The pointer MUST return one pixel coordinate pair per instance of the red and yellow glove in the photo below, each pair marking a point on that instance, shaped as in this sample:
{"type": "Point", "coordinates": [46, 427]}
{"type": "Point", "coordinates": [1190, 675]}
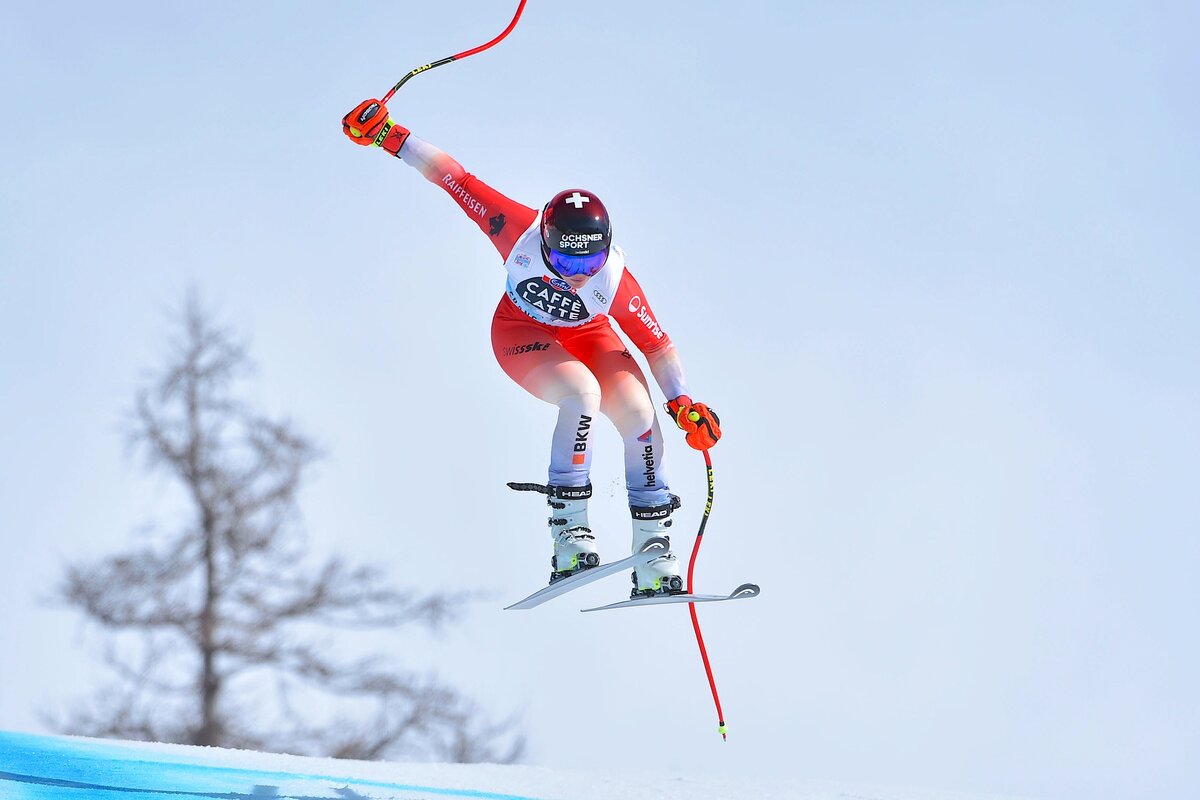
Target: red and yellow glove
{"type": "Point", "coordinates": [698, 421]}
{"type": "Point", "coordinates": [368, 124]}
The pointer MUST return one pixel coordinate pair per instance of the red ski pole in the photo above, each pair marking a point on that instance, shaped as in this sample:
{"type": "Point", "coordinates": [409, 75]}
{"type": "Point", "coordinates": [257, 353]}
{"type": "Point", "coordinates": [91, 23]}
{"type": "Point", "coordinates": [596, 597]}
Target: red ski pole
{"type": "Point", "coordinates": [457, 56]}
{"type": "Point", "coordinates": [712, 684]}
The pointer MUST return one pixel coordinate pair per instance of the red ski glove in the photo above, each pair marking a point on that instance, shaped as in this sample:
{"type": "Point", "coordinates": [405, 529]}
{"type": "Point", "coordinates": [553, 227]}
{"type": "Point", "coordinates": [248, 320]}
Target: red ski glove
{"type": "Point", "coordinates": [368, 124]}
{"type": "Point", "coordinates": [698, 421]}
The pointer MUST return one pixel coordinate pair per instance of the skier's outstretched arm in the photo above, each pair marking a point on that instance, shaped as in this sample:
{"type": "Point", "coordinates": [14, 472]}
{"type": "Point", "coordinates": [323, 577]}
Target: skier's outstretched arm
{"type": "Point", "coordinates": [502, 219]}
{"type": "Point", "coordinates": [632, 312]}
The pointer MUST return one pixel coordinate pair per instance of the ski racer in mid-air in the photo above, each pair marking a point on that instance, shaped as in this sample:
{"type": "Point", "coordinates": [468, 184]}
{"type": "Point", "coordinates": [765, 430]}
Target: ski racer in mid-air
{"type": "Point", "coordinates": [551, 335]}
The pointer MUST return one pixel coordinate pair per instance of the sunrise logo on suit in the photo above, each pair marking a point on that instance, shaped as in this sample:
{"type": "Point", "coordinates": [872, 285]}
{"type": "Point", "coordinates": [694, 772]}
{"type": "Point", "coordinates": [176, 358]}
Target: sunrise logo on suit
{"type": "Point", "coordinates": [638, 308]}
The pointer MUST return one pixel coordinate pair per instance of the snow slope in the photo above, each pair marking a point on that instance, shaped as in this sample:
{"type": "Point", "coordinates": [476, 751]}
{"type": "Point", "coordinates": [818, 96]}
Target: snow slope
{"type": "Point", "coordinates": [63, 768]}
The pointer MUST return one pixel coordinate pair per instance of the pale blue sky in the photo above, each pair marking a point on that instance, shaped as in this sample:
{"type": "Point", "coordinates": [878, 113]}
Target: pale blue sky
{"type": "Point", "coordinates": [933, 263]}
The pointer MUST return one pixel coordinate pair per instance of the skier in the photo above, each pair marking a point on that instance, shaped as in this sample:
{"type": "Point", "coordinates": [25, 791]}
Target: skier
{"type": "Point", "coordinates": [551, 335]}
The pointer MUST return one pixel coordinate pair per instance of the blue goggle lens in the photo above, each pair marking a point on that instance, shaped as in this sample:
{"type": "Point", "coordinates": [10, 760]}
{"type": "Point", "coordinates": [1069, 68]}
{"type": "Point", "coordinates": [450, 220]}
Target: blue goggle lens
{"type": "Point", "coordinates": [568, 264]}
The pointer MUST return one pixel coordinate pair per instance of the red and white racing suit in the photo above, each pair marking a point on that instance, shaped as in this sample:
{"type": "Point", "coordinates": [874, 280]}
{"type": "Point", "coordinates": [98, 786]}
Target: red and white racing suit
{"type": "Point", "coordinates": [556, 341]}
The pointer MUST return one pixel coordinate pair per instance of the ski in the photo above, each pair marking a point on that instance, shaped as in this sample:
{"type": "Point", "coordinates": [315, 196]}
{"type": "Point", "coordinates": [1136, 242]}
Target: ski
{"type": "Point", "coordinates": [652, 549]}
{"type": "Point", "coordinates": [745, 591]}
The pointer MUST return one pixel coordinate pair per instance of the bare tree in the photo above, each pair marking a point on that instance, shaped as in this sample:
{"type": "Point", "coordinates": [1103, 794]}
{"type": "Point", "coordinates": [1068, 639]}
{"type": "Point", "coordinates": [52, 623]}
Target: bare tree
{"type": "Point", "coordinates": [217, 625]}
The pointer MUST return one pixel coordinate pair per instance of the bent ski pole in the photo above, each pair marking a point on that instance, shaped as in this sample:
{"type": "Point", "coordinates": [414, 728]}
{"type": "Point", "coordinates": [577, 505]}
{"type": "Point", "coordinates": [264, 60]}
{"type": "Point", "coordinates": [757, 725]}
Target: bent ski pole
{"type": "Point", "coordinates": [463, 54]}
{"type": "Point", "coordinates": [712, 684]}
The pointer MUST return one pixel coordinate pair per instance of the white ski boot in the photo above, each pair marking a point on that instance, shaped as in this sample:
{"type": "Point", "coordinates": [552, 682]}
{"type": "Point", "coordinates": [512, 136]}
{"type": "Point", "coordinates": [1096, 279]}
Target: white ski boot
{"type": "Point", "coordinates": [660, 576]}
{"type": "Point", "coordinates": [574, 544]}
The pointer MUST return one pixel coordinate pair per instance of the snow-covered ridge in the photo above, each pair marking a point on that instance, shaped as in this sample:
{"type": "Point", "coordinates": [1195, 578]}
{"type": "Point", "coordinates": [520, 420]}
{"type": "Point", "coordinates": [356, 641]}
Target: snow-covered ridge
{"type": "Point", "coordinates": [67, 768]}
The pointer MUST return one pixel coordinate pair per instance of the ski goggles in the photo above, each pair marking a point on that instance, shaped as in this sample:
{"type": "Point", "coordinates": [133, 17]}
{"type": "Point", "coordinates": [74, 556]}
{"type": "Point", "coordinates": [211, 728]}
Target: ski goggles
{"type": "Point", "coordinates": [569, 264]}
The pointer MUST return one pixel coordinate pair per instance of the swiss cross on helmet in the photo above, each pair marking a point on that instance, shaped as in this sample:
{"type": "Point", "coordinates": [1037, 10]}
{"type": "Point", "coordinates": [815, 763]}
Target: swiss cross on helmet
{"type": "Point", "coordinates": [576, 233]}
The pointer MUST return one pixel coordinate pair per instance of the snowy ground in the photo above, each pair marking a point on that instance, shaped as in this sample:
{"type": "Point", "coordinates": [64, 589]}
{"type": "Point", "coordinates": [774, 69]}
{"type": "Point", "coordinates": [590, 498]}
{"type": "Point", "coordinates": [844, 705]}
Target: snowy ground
{"type": "Point", "coordinates": [59, 768]}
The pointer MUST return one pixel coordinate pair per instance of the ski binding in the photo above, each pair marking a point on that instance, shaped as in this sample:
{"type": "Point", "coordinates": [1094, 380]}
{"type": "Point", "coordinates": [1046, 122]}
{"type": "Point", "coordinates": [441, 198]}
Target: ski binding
{"type": "Point", "coordinates": [652, 549]}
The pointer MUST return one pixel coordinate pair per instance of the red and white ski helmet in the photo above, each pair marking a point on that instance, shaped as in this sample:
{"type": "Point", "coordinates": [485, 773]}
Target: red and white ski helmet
{"type": "Point", "coordinates": [576, 223]}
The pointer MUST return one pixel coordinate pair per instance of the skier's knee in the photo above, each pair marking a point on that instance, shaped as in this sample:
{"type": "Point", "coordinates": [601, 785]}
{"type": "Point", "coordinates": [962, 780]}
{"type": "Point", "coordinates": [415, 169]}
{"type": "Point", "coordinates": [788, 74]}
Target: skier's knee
{"type": "Point", "coordinates": [633, 418]}
{"type": "Point", "coordinates": [583, 402]}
